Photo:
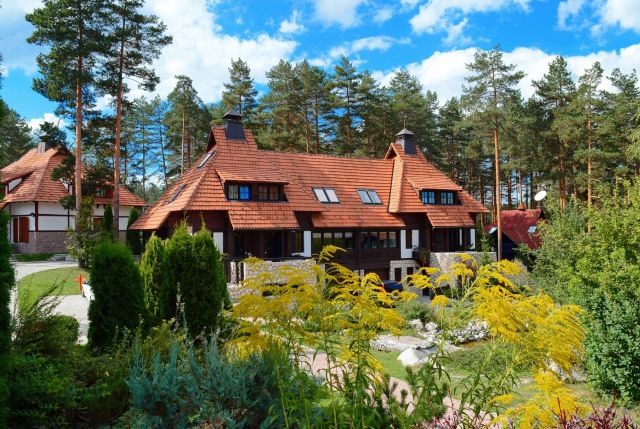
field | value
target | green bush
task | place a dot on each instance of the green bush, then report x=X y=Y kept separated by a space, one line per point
x=193 y=274
x=118 y=302
x=133 y=238
x=192 y=388
x=107 y=230
x=33 y=257
x=417 y=309
x=151 y=268
x=7 y=282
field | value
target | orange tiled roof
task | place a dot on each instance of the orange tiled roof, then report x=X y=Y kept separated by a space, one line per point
x=397 y=179
x=35 y=169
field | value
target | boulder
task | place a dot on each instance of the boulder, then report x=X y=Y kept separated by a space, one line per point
x=389 y=343
x=416 y=356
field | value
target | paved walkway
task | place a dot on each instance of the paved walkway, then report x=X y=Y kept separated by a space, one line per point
x=70 y=305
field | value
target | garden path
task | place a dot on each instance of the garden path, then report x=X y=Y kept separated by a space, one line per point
x=319 y=365
x=70 y=305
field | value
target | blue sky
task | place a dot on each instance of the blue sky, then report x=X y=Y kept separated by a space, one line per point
x=433 y=39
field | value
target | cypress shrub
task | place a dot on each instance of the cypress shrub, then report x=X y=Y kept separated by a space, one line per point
x=151 y=266
x=118 y=294
x=193 y=267
x=107 y=228
x=133 y=238
x=7 y=282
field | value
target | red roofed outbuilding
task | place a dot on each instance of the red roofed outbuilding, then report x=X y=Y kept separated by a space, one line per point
x=39 y=222
x=519 y=226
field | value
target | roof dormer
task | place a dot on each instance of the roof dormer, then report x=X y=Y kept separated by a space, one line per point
x=406 y=139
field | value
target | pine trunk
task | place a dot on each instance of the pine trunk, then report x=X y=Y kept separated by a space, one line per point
x=116 y=157
x=78 y=168
x=182 y=153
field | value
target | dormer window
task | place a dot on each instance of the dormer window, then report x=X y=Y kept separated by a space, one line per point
x=369 y=196
x=446 y=198
x=101 y=193
x=326 y=195
x=428 y=197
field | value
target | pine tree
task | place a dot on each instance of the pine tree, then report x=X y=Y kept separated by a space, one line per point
x=371 y=110
x=135 y=40
x=15 y=135
x=344 y=86
x=52 y=135
x=282 y=108
x=492 y=89
x=74 y=31
x=7 y=282
x=315 y=96
x=452 y=141
x=187 y=122
x=240 y=92
x=556 y=89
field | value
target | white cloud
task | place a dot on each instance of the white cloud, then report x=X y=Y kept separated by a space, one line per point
x=625 y=13
x=202 y=52
x=449 y=16
x=409 y=4
x=568 y=9
x=291 y=25
x=382 y=15
x=14 y=30
x=35 y=123
x=373 y=43
x=444 y=72
x=341 y=12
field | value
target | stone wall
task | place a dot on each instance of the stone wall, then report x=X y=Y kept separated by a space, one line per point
x=444 y=260
x=242 y=270
x=43 y=242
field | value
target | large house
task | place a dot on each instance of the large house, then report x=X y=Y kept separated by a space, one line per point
x=277 y=205
x=39 y=223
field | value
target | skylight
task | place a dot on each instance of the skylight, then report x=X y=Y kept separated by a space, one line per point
x=177 y=193
x=492 y=229
x=369 y=196
x=206 y=158
x=326 y=195
x=532 y=229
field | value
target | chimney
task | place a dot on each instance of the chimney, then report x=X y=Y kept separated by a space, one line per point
x=44 y=144
x=233 y=125
x=406 y=139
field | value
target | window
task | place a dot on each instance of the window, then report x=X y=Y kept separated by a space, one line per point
x=316 y=242
x=348 y=240
x=369 y=196
x=245 y=192
x=409 y=238
x=233 y=192
x=532 y=229
x=101 y=193
x=263 y=192
x=21 y=229
x=205 y=159
x=369 y=240
x=428 y=197
x=326 y=195
x=176 y=193
x=446 y=198
x=268 y=192
x=274 y=193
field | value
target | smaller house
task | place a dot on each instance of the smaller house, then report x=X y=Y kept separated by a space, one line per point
x=39 y=222
x=519 y=226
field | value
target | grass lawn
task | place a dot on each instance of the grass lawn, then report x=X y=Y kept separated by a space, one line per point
x=34 y=285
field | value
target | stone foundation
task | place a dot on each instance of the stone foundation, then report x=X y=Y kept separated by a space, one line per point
x=43 y=242
x=444 y=260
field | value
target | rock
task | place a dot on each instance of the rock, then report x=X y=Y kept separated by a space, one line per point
x=416 y=324
x=416 y=356
x=577 y=374
x=474 y=331
x=389 y=343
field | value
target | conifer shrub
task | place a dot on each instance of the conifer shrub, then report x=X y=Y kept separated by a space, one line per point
x=80 y=242
x=106 y=227
x=7 y=282
x=194 y=274
x=118 y=294
x=151 y=268
x=133 y=238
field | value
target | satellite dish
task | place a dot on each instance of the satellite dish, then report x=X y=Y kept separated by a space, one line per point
x=540 y=196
